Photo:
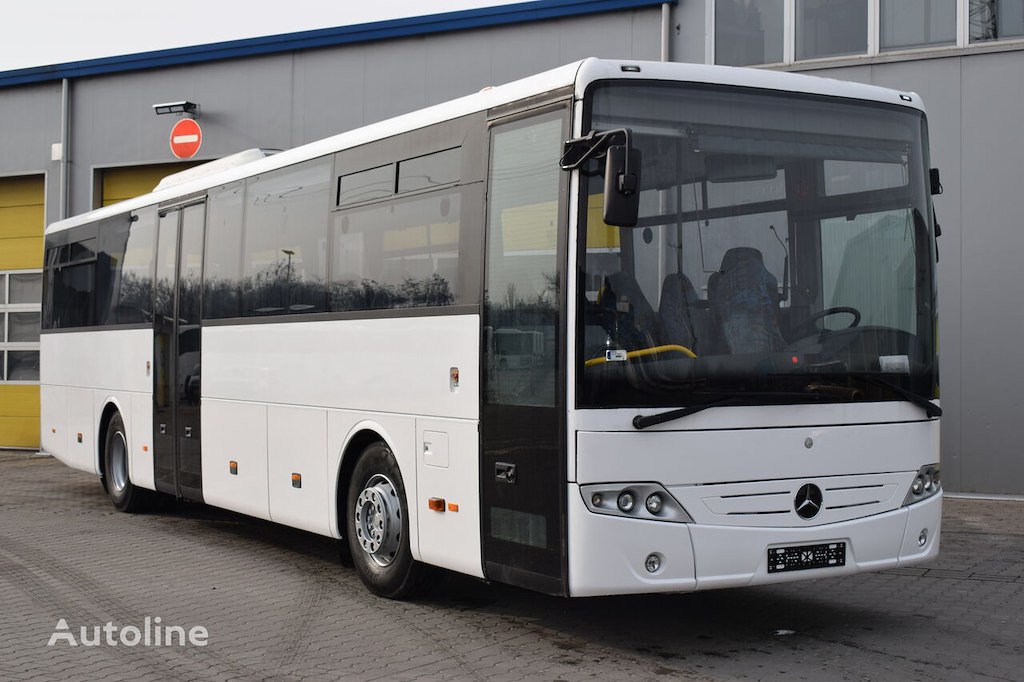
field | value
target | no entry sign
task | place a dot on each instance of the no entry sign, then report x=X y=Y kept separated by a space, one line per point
x=186 y=138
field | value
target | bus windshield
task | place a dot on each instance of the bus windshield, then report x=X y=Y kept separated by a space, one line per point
x=783 y=252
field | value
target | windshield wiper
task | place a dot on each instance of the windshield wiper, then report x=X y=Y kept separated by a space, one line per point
x=643 y=421
x=930 y=408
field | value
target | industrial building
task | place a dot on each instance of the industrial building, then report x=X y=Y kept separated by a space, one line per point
x=84 y=134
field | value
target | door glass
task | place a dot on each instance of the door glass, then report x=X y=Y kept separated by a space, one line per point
x=164 y=354
x=521 y=296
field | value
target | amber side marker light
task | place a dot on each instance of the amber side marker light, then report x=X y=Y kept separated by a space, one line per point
x=452 y=507
x=296 y=480
x=233 y=468
x=435 y=504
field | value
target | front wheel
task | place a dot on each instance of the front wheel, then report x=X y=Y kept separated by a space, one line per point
x=377 y=527
x=123 y=494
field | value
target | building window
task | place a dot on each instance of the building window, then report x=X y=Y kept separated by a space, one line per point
x=831 y=28
x=763 y=32
x=905 y=24
x=749 y=32
x=996 y=19
x=20 y=314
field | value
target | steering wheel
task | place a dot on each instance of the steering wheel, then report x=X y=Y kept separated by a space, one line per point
x=809 y=326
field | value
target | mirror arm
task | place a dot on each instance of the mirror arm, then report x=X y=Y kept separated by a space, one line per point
x=598 y=143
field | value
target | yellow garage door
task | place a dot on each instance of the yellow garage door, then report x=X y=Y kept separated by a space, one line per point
x=126 y=183
x=21 y=223
x=21 y=258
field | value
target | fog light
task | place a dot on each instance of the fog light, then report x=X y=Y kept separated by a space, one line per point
x=922 y=539
x=653 y=563
x=626 y=500
x=597 y=499
x=654 y=503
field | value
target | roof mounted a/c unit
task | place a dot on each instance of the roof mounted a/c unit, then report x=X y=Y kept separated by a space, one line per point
x=214 y=167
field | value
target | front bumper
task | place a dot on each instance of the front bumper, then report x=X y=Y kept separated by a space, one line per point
x=607 y=554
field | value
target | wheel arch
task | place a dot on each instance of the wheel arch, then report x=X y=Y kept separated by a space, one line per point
x=359 y=439
x=110 y=408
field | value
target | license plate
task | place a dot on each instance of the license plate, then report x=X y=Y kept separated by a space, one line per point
x=825 y=555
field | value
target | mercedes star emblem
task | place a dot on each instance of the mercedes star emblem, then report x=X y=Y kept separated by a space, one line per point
x=808 y=501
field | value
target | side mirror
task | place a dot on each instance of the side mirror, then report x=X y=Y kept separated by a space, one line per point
x=934 y=181
x=622 y=186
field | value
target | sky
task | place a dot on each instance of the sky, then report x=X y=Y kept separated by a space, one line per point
x=45 y=32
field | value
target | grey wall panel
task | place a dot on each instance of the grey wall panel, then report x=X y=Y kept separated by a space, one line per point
x=31 y=118
x=975 y=122
x=31 y=123
x=688 y=42
x=993 y=277
x=938 y=81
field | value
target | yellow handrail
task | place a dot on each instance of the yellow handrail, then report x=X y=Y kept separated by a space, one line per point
x=654 y=350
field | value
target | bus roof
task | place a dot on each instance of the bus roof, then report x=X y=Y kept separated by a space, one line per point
x=577 y=74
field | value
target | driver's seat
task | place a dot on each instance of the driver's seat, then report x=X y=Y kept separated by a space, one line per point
x=744 y=301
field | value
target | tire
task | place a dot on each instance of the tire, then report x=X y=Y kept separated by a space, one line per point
x=116 y=481
x=377 y=527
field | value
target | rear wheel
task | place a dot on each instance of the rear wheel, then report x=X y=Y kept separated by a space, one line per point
x=377 y=527
x=123 y=494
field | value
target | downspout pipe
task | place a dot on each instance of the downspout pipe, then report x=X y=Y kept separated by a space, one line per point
x=65 y=147
x=666 y=30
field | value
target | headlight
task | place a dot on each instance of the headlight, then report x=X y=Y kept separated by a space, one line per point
x=623 y=499
x=925 y=484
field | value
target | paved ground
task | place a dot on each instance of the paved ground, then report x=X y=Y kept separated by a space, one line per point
x=277 y=605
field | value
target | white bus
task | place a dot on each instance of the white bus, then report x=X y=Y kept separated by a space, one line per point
x=616 y=328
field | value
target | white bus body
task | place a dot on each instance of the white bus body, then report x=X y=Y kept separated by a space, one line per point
x=434 y=292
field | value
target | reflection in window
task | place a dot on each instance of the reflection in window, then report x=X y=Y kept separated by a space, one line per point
x=829 y=28
x=285 y=255
x=23 y=327
x=432 y=170
x=996 y=19
x=748 y=32
x=916 y=23
x=25 y=287
x=396 y=255
x=222 y=278
x=521 y=305
x=134 y=296
x=868 y=263
x=367 y=185
x=23 y=365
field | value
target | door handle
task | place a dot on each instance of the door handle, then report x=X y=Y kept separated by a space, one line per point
x=504 y=472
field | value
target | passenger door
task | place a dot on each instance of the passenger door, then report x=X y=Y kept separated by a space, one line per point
x=177 y=295
x=523 y=467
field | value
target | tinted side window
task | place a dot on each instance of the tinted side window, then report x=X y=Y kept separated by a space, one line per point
x=113 y=237
x=367 y=185
x=397 y=255
x=430 y=170
x=222 y=279
x=69 y=281
x=73 y=289
x=134 y=300
x=285 y=254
